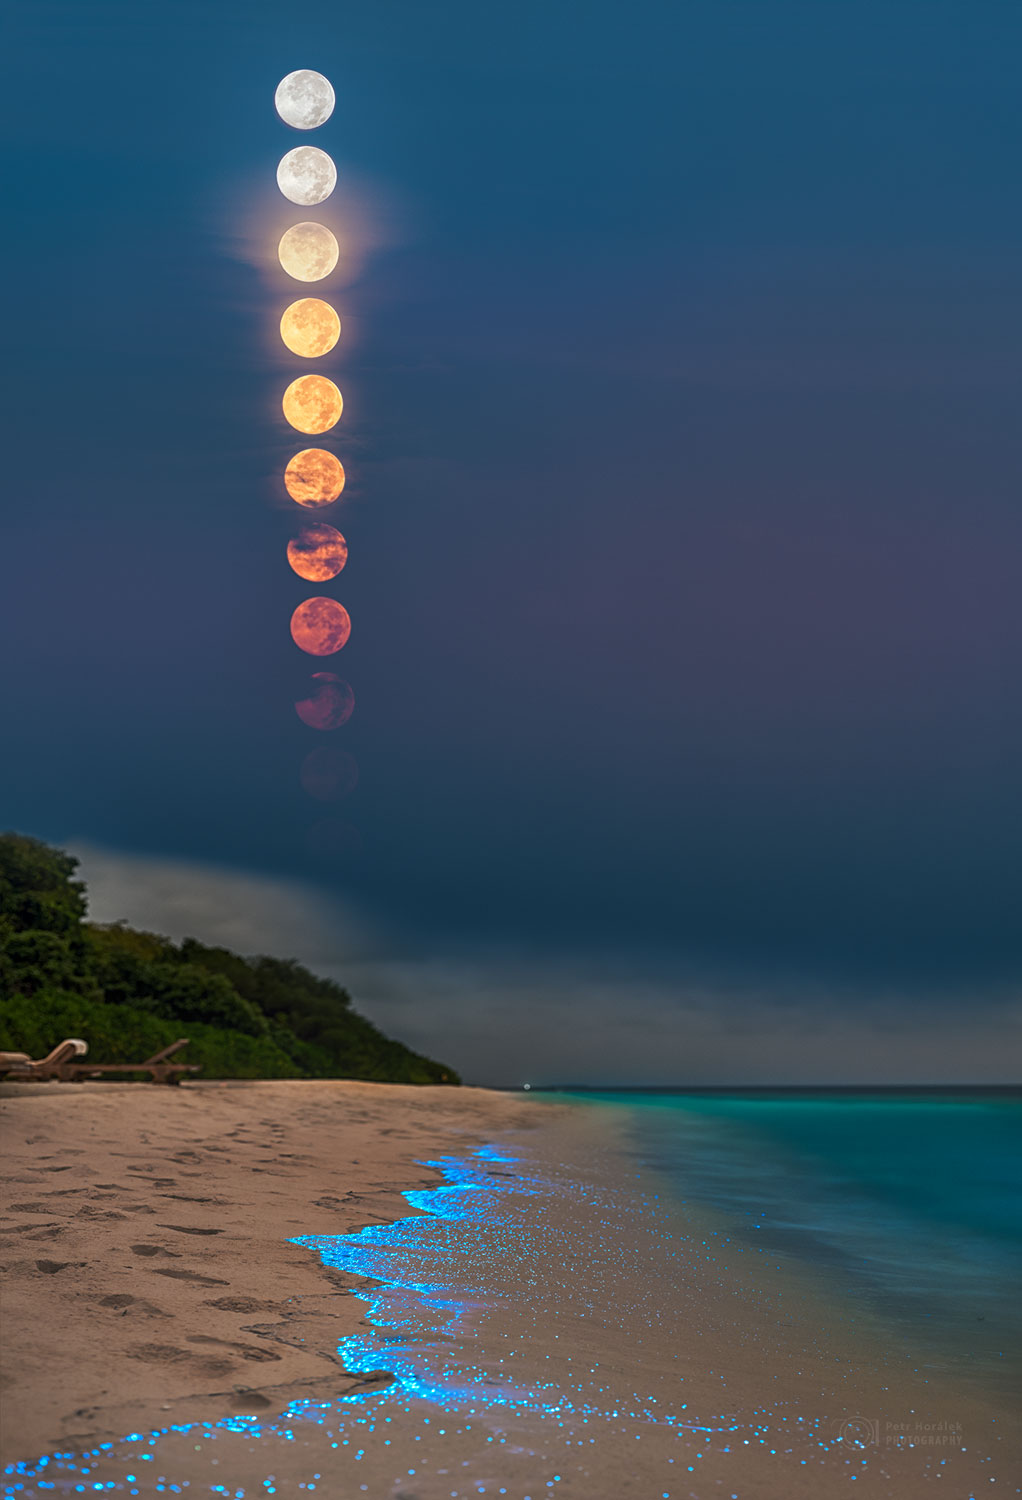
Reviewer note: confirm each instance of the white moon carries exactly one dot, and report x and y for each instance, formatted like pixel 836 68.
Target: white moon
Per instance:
pixel 304 99
pixel 308 252
pixel 306 175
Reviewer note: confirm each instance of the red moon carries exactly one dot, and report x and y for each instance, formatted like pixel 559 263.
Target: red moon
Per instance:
pixel 318 552
pixel 320 626
pixel 328 704
pixel 328 773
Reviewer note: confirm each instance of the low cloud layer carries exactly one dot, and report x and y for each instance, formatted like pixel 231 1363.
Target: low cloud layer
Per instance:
pixel 513 1017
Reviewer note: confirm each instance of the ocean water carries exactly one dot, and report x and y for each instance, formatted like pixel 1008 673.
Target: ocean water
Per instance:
pixel 909 1205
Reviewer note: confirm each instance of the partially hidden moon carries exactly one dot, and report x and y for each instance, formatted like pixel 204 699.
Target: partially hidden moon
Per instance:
pixel 312 403
pixel 306 175
pixel 318 552
pixel 328 773
pixel 308 252
pixel 314 477
pixel 304 99
pixel 328 704
pixel 320 626
pixel 310 327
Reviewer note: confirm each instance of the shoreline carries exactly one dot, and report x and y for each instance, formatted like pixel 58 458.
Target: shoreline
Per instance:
pixel 147 1235
pixel 548 1295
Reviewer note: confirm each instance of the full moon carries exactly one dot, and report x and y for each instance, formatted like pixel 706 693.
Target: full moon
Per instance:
pixel 314 477
pixel 306 175
pixel 318 552
pixel 304 99
pixel 312 403
pixel 320 626
pixel 310 327
pixel 328 704
pixel 308 252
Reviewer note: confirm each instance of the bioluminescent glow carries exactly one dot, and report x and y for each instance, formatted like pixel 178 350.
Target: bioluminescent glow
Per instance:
pixel 314 477
pixel 318 553
pixel 312 404
pixel 328 773
pixel 304 99
pixel 306 175
pixel 320 626
pixel 328 703
pixel 310 327
pixel 308 251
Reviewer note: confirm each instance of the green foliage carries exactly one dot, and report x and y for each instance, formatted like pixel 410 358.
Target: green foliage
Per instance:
pixel 129 993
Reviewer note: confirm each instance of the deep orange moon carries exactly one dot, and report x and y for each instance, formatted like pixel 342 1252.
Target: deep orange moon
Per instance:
pixel 320 626
pixel 312 403
pixel 314 477
pixel 310 327
pixel 328 703
pixel 318 552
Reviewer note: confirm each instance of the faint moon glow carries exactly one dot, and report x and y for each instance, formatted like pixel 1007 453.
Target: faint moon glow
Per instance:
pixel 310 327
pixel 312 403
pixel 320 626
pixel 314 477
pixel 308 251
pixel 304 99
pixel 318 552
pixel 328 773
pixel 328 704
pixel 332 839
pixel 306 175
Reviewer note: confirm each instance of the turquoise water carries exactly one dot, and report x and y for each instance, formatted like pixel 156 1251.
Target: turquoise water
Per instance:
pixel 910 1204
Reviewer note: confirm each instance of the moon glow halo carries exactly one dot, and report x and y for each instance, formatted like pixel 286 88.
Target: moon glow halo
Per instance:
pixel 320 626
pixel 310 327
pixel 312 403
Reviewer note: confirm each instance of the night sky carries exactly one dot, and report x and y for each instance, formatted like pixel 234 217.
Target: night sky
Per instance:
pixel 683 430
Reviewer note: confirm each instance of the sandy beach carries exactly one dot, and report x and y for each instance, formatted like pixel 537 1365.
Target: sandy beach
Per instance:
pixel 147 1271
pixel 538 1314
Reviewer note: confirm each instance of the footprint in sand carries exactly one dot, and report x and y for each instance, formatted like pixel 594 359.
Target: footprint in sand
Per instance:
pixel 153 1250
pixel 188 1229
pixel 190 1276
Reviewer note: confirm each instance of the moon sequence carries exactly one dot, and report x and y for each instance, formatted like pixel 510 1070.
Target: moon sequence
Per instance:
pixel 310 327
pixel 328 703
pixel 320 626
pixel 314 477
pixel 318 552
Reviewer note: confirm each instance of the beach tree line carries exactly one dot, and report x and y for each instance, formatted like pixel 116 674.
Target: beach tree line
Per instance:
pixel 130 993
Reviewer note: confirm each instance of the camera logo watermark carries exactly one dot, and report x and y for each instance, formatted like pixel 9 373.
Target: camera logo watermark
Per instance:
pixel 872 1432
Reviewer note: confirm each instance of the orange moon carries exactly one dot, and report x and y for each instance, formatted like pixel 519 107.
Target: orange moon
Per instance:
pixel 312 403
pixel 310 327
pixel 314 477
pixel 320 626
pixel 328 703
pixel 318 552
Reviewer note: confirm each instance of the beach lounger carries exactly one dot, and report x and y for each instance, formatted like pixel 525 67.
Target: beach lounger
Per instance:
pixel 59 1065
pixel 19 1065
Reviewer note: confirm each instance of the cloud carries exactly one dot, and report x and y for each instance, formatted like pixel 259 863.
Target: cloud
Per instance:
pixel 507 1017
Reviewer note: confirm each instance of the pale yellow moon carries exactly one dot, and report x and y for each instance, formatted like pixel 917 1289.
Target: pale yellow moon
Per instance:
pixel 314 477
pixel 312 403
pixel 308 252
pixel 310 327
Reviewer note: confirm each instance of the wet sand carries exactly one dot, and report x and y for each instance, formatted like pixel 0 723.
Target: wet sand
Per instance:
pixel 540 1319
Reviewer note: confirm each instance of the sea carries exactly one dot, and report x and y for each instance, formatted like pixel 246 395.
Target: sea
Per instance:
pixel 908 1203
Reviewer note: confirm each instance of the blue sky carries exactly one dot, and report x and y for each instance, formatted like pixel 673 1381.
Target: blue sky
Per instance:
pixel 682 387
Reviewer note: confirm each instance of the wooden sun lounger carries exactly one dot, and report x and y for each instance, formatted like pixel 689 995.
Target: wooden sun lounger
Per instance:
pixel 59 1065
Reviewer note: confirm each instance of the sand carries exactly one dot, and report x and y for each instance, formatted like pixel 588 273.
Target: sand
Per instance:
pixel 554 1323
pixel 147 1271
